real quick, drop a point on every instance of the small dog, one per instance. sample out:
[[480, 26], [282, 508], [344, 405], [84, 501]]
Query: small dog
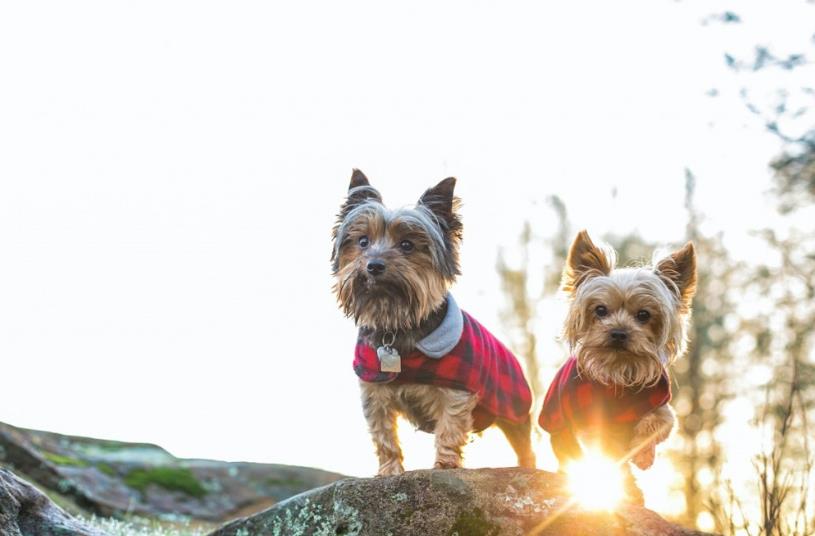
[[418, 355], [625, 328]]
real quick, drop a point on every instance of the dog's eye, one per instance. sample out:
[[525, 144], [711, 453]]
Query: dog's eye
[[643, 315], [363, 241], [406, 245], [601, 311]]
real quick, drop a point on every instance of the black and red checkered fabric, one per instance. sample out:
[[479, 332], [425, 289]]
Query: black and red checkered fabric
[[573, 403], [479, 363]]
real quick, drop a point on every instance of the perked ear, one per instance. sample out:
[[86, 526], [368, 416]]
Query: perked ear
[[440, 197], [585, 261], [360, 190], [444, 205], [678, 270], [358, 178]]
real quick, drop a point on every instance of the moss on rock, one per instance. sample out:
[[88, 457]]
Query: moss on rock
[[106, 469], [60, 459], [170, 478]]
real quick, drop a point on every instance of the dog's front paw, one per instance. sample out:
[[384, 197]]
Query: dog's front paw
[[644, 457], [391, 468], [633, 493]]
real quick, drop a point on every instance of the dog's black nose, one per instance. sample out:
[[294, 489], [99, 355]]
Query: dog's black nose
[[618, 335], [376, 267]]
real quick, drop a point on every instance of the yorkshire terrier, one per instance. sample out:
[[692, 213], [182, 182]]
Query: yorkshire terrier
[[418, 355], [625, 327]]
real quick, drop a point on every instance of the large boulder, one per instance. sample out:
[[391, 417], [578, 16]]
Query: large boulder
[[462, 502], [25, 511], [111, 478]]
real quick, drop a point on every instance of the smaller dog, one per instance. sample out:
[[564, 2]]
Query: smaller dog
[[625, 328], [419, 355]]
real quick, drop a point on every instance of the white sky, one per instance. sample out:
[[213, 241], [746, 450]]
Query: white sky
[[169, 173]]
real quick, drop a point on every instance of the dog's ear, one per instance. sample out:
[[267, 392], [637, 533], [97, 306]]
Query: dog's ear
[[360, 190], [444, 205], [678, 270], [439, 198], [358, 178], [441, 202], [585, 261]]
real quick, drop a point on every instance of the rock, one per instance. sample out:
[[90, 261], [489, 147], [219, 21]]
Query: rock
[[25, 511], [463, 502], [110, 478]]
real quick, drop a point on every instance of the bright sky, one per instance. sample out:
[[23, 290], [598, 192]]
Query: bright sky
[[169, 173]]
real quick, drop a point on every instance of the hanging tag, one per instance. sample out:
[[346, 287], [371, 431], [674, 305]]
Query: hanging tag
[[389, 359]]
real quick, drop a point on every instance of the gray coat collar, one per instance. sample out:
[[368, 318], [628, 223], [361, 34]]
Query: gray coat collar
[[445, 337]]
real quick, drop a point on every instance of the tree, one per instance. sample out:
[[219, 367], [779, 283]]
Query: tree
[[781, 290], [521, 312], [703, 377]]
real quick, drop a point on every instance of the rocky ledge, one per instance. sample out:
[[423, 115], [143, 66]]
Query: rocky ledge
[[24, 511], [462, 502], [113, 478]]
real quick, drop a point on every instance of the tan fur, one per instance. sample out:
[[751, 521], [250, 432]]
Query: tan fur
[[678, 270], [450, 409], [416, 272], [653, 429], [665, 291], [402, 299], [584, 260], [518, 435]]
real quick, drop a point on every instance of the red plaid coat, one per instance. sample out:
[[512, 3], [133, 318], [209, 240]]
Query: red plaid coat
[[479, 363], [574, 403]]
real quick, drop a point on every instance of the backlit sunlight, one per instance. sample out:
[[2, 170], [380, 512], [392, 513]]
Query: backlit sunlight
[[661, 484], [595, 482]]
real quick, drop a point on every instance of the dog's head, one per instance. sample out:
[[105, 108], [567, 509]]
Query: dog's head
[[393, 268], [626, 324]]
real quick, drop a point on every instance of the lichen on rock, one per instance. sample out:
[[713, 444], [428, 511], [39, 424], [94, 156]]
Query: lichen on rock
[[460, 502]]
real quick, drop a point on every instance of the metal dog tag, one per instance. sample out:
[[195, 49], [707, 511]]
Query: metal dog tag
[[389, 359]]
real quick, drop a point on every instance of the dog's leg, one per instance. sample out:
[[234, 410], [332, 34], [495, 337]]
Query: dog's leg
[[566, 448], [520, 437], [652, 429], [380, 413], [454, 420], [633, 493]]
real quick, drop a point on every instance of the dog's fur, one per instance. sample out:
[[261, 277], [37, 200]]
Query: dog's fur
[[602, 299], [418, 250]]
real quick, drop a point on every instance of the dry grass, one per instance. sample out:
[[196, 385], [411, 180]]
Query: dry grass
[[784, 472]]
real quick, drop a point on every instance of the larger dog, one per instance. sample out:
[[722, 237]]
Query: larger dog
[[419, 355]]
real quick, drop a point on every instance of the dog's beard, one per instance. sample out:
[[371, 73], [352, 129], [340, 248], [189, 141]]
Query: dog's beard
[[621, 367], [392, 303], [381, 304]]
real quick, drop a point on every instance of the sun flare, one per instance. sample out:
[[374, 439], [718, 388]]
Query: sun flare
[[595, 482]]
